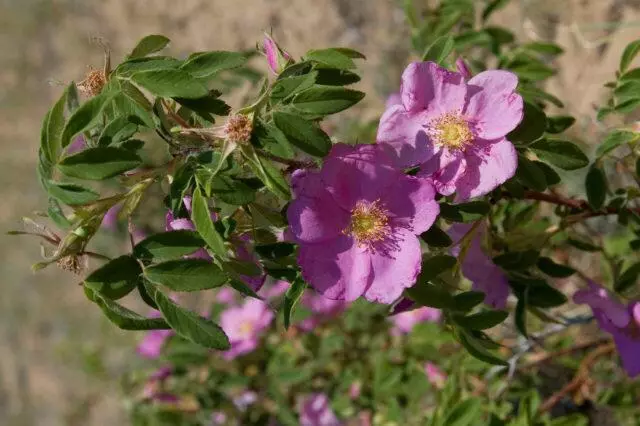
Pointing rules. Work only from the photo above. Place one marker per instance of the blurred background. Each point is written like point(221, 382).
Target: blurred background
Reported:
point(59, 358)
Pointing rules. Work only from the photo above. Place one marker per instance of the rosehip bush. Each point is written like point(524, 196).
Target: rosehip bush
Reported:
point(424, 273)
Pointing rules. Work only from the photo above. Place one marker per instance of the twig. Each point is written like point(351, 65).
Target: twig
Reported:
point(580, 378)
point(294, 164)
point(565, 351)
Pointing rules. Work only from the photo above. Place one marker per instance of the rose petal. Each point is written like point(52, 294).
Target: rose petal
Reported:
point(411, 201)
point(427, 86)
point(403, 133)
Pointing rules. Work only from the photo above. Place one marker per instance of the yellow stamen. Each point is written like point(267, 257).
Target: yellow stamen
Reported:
point(246, 328)
point(369, 223)
point(451, 130)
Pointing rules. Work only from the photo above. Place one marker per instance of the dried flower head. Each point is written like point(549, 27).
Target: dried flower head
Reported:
point(238, 128)
point(93, 83)
point(72, 263)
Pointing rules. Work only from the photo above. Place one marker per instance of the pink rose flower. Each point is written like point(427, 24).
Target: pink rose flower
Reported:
point(455, 129)
point(622, 322)
point(435, 375)
point(478, 267)
point(316, 411)
point(404, 322)
point(356, 221)
point(244, 325)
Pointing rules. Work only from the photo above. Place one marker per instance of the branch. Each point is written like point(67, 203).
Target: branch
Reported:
point(293, 164)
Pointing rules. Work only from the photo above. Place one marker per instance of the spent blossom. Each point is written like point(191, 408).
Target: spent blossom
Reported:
point(454, 129)
point(356, 221)
point(619, 320)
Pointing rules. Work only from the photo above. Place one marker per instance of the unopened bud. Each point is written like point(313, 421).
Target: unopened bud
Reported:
point(276, 57)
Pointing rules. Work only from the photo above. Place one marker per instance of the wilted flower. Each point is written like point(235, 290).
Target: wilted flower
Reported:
point(93, 83)
point(454, 129)
point(404, 322)
point(316, 411)
point(435, 375)
point(478, 267)
point(243, 325)
point(622, 322)
point(357, 222)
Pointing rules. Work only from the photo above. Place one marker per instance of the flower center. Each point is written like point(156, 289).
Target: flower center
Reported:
point(245, 329)
point(369, 223)
point(238, 128)
point(451, 130)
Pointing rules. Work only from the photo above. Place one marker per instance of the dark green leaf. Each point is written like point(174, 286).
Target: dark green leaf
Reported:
point(517, 260)
point(275, 251)
point(335, 77)
point(303, 134)
point(439, 50)
point(559, 123)
point(464, 413)
point(629, 54)
point(467, 300)
point(202, 65)
point(436, 237)
point(551, 176)
point(188, 324)
point(435, 265)
point(52, 129)
point(493, 6)
point(319, 101)
point(285, 87)
point(291, 298)
point(582, 245)
point(560, 153)
point(119, 129)
point(628, 106)
point(148, 45)
point(168, 245)
point(353, 54)
point(531, 70)
point(543, 48)
point(125, 318)
point(99, 163)
point(530, 174)
point(596, 184)
point(186, 274)
point(272, 178)
point(115, 279)
point(533, 94)
point(464, 212)
point(71, 194)
point(207, 105)
point(170, 83)
point(156, 63)
point(481, 320)
point(628, 278)
point(553, 269)
point(271, 139)
point(299, 68)
point(87, 115)
point(332, 58)
point(627, 91)
point(614, 140)
point(532, 126)
point(201, 217)
point(232, 191)
point(633, 74)
point(540, 293)
point(476, 349)
point(429, 295)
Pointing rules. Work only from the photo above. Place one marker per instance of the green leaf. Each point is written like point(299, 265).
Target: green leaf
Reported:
point(206, 105)
point(476, 349)
point(596, 185)
point(332, 58)
point(286, 87)
point(633, 74)
point(188, 324)
point(52, 129)
point(170, 83)
point(115, 279)
point(614, 140)
point(271, 139)
point(481, 320)
point(543, 48)
point(186, 274)
point(628, 106)
point(148, 45)
point(119, 129)
point(426, 294)
point(517, 260)
point(125, 318)
point(275, 251)
point(533, 94)
point(201, 217)
point(530, 174)
point(335, 77)
point(560, 153)
point(532, 126)
point(99, 163)
point(550, 175)
point(540, 293)
point(303, 134)
point(71, 194)
point(493, 6)
point(291, 298)
point(579, 243)
point(439, 50)
point(168, 245)
point(627, 91)
point(203, 65)
point(629, 54)
point(467, 300)
point(436, 237)
point(270, 175)
point(87, 115)
point(559, 123)
point(628, 278)
point(435, 265)
point(553, 269)
point(464, 413)
point(232, 191)
point(464, 212)
point(157, 63)
point(319, 101)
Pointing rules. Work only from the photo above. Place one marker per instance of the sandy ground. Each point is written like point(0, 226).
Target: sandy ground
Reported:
point(59, 360)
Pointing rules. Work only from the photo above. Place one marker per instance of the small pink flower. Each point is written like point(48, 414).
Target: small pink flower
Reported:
point(435, 375)
point(622, 322)
point(454, 129)
point(356, 221)
point(404, 322)
point(354, 390)
point(316, 411)
point(226, 296)
point(243, 325)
